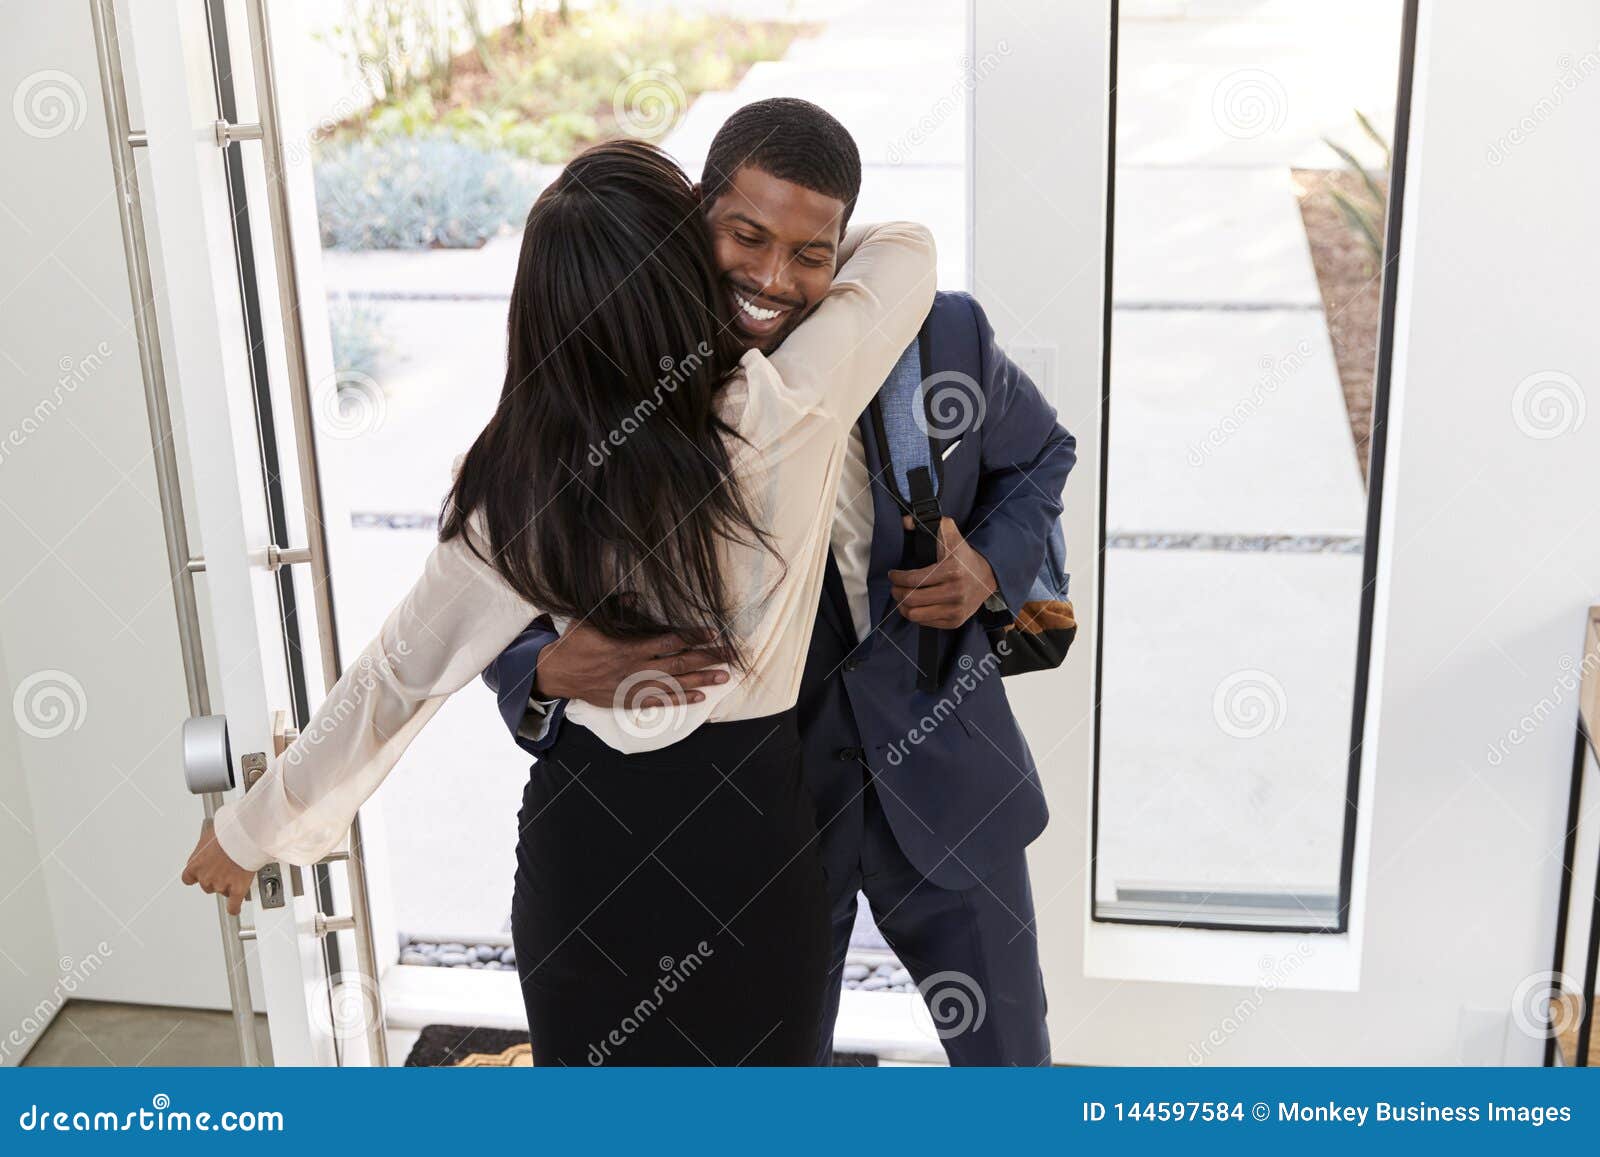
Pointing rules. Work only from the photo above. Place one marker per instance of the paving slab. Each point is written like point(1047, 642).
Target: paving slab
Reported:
point(1209, 237)
point(485, 272)
point(1231, 423)
point(1249, 792)
point(1241, 82)
point(914, 111)
point(891, 71)
point(441, 383)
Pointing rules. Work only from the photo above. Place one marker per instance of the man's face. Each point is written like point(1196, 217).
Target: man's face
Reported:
point(776, 244)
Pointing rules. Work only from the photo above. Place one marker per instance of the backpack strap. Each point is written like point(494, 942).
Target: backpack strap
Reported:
point(923, 479)
point(925, 552)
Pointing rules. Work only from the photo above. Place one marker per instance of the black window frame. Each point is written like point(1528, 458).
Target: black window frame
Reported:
point(1377, 456)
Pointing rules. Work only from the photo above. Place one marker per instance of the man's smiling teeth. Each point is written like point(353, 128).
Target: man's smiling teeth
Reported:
point(755, 310)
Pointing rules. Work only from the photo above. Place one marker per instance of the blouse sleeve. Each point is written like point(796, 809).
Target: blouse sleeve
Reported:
point(837, 358)
point(457, 617)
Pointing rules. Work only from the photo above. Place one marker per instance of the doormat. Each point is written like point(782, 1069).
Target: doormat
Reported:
point(464, 1047)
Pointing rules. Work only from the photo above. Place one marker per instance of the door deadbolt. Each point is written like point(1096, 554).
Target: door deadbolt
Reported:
point(207, 755)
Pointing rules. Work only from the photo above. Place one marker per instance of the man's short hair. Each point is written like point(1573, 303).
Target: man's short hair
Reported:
point(793, 140)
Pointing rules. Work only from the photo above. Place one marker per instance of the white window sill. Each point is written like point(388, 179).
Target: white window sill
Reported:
point(1256, 960)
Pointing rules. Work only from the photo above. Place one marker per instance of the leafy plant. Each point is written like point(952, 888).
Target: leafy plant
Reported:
point(418, 192)
point(399, 45)
point(1364, 211)
point(547, 84)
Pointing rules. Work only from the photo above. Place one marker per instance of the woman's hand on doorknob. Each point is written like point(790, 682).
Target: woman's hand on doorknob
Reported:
point(210, 867)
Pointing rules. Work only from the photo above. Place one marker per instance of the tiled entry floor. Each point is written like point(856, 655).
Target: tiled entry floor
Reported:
point(90, 1033)
point(87, 1033)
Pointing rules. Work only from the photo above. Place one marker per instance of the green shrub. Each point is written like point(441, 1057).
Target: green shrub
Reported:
point(418, 192)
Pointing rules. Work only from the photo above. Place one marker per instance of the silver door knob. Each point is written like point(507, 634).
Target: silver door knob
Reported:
point(207, 756)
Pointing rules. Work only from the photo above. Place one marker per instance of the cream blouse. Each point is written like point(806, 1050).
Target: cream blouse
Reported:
point(794, 411)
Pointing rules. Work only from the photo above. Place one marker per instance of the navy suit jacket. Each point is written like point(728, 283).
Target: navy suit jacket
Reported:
point(953, 772)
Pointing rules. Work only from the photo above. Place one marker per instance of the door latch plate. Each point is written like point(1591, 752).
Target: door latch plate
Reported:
point(270, 892)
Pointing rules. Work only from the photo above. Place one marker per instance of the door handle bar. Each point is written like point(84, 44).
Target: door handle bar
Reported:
point(316, 548)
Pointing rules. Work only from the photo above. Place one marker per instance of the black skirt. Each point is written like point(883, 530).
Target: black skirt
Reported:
point(669, 906)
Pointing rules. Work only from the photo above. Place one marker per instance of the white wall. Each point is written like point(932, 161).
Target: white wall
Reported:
point(1489, 545)
point(84, 588)
point(28, 956)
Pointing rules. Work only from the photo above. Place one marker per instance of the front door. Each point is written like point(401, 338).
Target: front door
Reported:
point(223, 197)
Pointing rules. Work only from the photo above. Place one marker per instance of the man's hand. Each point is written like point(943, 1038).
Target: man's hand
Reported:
point(949, 592)
point(210, 867)
point(585, 664)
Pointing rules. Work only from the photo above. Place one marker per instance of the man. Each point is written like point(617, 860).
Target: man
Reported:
point(926, 798)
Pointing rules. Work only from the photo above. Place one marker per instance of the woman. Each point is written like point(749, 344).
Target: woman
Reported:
point(641, 475)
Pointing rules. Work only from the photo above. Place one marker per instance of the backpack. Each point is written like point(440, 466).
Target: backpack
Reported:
point(905, 417)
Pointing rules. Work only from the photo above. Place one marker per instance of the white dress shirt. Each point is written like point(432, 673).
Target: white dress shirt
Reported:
point(853, 520)
point(793, 412)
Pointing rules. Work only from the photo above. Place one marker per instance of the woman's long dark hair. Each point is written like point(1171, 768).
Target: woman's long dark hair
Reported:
point(604, 474)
